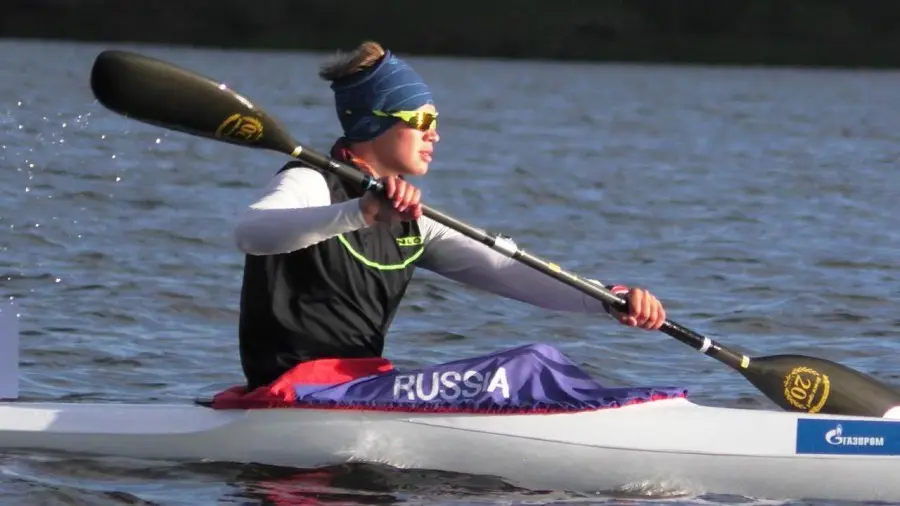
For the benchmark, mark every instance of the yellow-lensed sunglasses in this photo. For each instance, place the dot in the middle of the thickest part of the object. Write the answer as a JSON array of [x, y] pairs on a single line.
[[420, 120]]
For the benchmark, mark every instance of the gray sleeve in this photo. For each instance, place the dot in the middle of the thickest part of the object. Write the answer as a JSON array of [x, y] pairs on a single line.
[[294, 212], [462, 259]]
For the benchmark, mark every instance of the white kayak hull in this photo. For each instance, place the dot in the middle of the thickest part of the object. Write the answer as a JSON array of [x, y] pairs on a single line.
[[675, 443]]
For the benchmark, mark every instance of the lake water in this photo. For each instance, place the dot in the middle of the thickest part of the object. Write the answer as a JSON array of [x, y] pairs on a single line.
[[760, 205]]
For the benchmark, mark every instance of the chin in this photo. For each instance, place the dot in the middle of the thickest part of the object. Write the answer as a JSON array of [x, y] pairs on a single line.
[[417, 170]]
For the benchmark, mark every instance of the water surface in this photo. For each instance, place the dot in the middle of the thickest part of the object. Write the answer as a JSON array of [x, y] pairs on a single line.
[[759, 204]]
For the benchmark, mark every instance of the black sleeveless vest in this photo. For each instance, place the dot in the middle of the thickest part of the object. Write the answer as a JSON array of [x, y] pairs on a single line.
[[334, 299]]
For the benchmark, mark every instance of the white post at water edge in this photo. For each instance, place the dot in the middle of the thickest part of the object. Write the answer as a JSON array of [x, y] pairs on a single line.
[[9, 351]]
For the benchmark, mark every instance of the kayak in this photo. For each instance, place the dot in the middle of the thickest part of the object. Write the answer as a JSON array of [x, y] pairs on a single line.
[[697, 449], [553, 432]]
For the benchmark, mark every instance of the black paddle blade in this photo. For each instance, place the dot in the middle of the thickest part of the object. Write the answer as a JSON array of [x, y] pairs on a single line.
[[162, 94], [814, 385]]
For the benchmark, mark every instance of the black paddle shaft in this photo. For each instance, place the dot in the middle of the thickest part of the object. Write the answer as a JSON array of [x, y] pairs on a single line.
[[159, 93]]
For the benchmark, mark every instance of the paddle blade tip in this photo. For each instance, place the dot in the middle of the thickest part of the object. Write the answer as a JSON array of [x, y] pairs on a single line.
[[110, 69]]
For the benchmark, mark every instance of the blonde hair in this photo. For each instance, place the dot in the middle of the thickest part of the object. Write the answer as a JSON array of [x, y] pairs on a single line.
[[344, 64]]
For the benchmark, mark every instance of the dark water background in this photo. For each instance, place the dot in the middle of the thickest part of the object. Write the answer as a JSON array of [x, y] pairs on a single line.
[[760, 205]]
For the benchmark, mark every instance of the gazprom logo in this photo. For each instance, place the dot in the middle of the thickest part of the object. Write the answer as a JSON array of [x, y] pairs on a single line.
[[836, 437], [843, 436]]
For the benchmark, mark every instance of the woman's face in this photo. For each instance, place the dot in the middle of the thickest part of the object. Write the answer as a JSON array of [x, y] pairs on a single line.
[[405, 149]]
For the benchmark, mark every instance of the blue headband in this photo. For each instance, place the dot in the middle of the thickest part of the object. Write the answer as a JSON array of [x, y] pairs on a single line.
[[389, 86]]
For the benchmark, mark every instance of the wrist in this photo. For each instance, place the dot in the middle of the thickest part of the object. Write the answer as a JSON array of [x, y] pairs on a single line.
[[367, 216]]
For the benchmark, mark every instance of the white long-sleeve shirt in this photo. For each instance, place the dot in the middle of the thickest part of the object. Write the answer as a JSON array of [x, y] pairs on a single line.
[[296, 211]]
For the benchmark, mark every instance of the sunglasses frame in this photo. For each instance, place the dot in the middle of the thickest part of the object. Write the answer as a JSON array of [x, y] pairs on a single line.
[[412, 118]]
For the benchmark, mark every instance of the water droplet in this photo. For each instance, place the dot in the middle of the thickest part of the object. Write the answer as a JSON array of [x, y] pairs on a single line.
[[27, 189], [64, 124], [21, 127], [58, 280], [19, 103], [118, 178], [30, 165], [103, 136], [37, 225], [157, 140], [113, 156]]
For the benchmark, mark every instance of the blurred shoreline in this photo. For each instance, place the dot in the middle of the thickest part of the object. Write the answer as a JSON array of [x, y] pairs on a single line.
[[840, 33]]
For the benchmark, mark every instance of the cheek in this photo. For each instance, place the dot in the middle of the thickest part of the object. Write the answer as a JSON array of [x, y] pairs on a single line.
[[399, 147], [411, 143], [405, 145]]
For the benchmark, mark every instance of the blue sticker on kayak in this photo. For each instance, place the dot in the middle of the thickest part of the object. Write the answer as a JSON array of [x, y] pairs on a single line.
[[848, 437]]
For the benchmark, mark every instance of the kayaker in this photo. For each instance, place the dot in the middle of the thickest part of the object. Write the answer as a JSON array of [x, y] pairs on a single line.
[[327, 265]]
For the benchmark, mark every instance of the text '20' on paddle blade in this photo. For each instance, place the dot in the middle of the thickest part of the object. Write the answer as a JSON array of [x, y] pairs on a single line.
[[812, 385], [162, 94]]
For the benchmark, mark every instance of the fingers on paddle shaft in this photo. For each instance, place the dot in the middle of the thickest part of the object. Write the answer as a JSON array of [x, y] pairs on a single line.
[[812, 385]]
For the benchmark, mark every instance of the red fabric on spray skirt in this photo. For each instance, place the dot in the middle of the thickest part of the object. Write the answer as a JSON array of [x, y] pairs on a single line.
[[280, 393]]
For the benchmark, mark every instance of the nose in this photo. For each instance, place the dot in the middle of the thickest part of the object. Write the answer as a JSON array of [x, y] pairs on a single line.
[[432, 135]]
